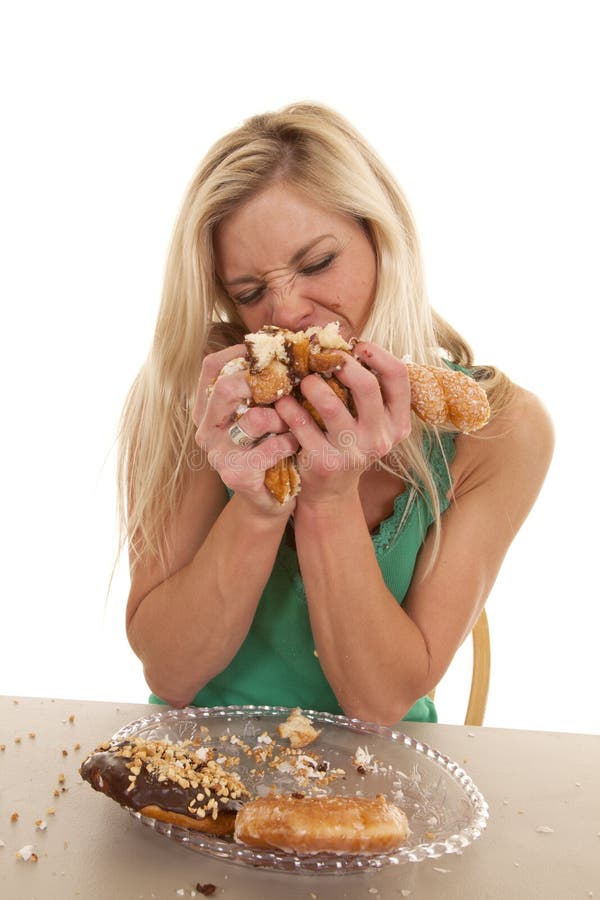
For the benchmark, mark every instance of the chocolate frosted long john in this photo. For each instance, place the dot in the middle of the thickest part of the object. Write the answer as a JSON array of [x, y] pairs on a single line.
[[181, 783]]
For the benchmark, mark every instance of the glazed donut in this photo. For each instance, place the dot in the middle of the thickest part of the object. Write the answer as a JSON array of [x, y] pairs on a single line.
[[304, 825], [441, 395], [277, 360], [181, 783]]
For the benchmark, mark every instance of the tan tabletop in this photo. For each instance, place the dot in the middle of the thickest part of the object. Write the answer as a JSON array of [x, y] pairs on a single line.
[[93, 849]]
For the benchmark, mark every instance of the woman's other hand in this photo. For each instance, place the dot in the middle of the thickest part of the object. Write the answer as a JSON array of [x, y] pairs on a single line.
[[219, 401], [331, 462]]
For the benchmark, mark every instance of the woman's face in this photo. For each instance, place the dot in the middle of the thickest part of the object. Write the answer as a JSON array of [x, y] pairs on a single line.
[[285, 260]]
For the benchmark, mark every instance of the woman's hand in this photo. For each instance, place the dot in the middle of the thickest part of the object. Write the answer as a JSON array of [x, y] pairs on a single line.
[[332, 462], [218, 401]]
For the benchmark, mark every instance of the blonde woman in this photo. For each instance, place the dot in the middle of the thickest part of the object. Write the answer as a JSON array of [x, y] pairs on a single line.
[[354, 596]]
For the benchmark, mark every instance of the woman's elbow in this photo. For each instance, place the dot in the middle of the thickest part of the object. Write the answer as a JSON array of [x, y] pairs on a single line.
[[173, 695], [386, 714]]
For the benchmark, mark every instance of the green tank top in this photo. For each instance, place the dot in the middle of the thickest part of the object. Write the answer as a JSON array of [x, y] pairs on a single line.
[[276, 664]]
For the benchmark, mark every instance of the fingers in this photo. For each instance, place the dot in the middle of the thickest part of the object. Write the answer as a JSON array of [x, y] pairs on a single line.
[[223, 452], [261, 420], [244, 469], [209, 381], [366, 392], [380, 389], [299, 420], [256, 422], [214, 362], [393, 383], [271, 450], [211, 367]]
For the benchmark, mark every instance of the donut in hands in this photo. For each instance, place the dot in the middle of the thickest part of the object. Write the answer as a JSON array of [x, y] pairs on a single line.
[[277, 360]]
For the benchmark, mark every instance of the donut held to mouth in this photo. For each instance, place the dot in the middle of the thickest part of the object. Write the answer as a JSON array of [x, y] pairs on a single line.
[[278, 359]]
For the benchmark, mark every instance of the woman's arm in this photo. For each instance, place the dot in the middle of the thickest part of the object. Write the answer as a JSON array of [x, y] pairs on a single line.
[[186, 623], [188, 626], [380, 657]]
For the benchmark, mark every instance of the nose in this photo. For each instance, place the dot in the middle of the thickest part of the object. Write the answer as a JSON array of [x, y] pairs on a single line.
[[291, 308]]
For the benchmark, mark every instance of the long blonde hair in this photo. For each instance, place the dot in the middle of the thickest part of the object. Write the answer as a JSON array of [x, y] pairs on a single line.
[[314, 149]]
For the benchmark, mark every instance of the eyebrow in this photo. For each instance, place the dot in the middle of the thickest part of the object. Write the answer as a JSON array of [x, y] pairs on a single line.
[[243, 279]]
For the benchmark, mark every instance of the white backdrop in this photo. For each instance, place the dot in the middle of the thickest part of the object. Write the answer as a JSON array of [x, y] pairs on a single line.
[[486, 112]]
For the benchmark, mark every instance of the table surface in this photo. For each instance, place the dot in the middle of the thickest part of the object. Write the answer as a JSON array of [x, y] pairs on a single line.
[[91, 848]]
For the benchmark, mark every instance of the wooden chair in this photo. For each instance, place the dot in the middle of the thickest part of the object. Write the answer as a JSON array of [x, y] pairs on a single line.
[[480, 680]]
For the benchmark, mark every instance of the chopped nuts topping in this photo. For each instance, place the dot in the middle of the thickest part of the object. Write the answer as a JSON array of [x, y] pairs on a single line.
[[185, 765], [207, 774]]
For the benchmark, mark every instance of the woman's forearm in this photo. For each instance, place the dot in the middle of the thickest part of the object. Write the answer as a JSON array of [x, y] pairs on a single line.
[[190, 626], [371, 652]]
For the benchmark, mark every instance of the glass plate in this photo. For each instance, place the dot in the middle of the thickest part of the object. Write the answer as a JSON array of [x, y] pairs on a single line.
[[445, 810]]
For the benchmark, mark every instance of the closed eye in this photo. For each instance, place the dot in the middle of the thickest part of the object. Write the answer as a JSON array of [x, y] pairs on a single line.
[[250, 296], [318, 266], [312, 269]]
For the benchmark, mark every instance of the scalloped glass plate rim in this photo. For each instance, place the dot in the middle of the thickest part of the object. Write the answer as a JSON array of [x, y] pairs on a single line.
[[323, 863]]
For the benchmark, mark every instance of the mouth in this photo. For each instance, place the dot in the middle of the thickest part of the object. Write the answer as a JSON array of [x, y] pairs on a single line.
[[344, 326]]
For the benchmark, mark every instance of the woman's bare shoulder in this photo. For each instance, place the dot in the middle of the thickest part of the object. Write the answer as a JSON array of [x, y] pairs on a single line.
[[515, 447], [523, 417]]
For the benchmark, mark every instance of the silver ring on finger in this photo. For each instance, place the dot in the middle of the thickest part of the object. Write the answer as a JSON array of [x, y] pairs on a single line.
[[240, 437]]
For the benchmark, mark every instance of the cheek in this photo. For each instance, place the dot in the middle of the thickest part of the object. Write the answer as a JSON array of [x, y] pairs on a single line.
[[367, 272], [365, 286], [254, 317], [358, 288]]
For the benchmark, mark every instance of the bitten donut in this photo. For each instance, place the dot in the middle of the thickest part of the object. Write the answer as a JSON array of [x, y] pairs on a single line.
[[180, 783], [278, 359], [303, 825]]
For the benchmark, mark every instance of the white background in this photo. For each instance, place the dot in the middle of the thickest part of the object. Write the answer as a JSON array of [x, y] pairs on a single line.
[[486, 112]]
